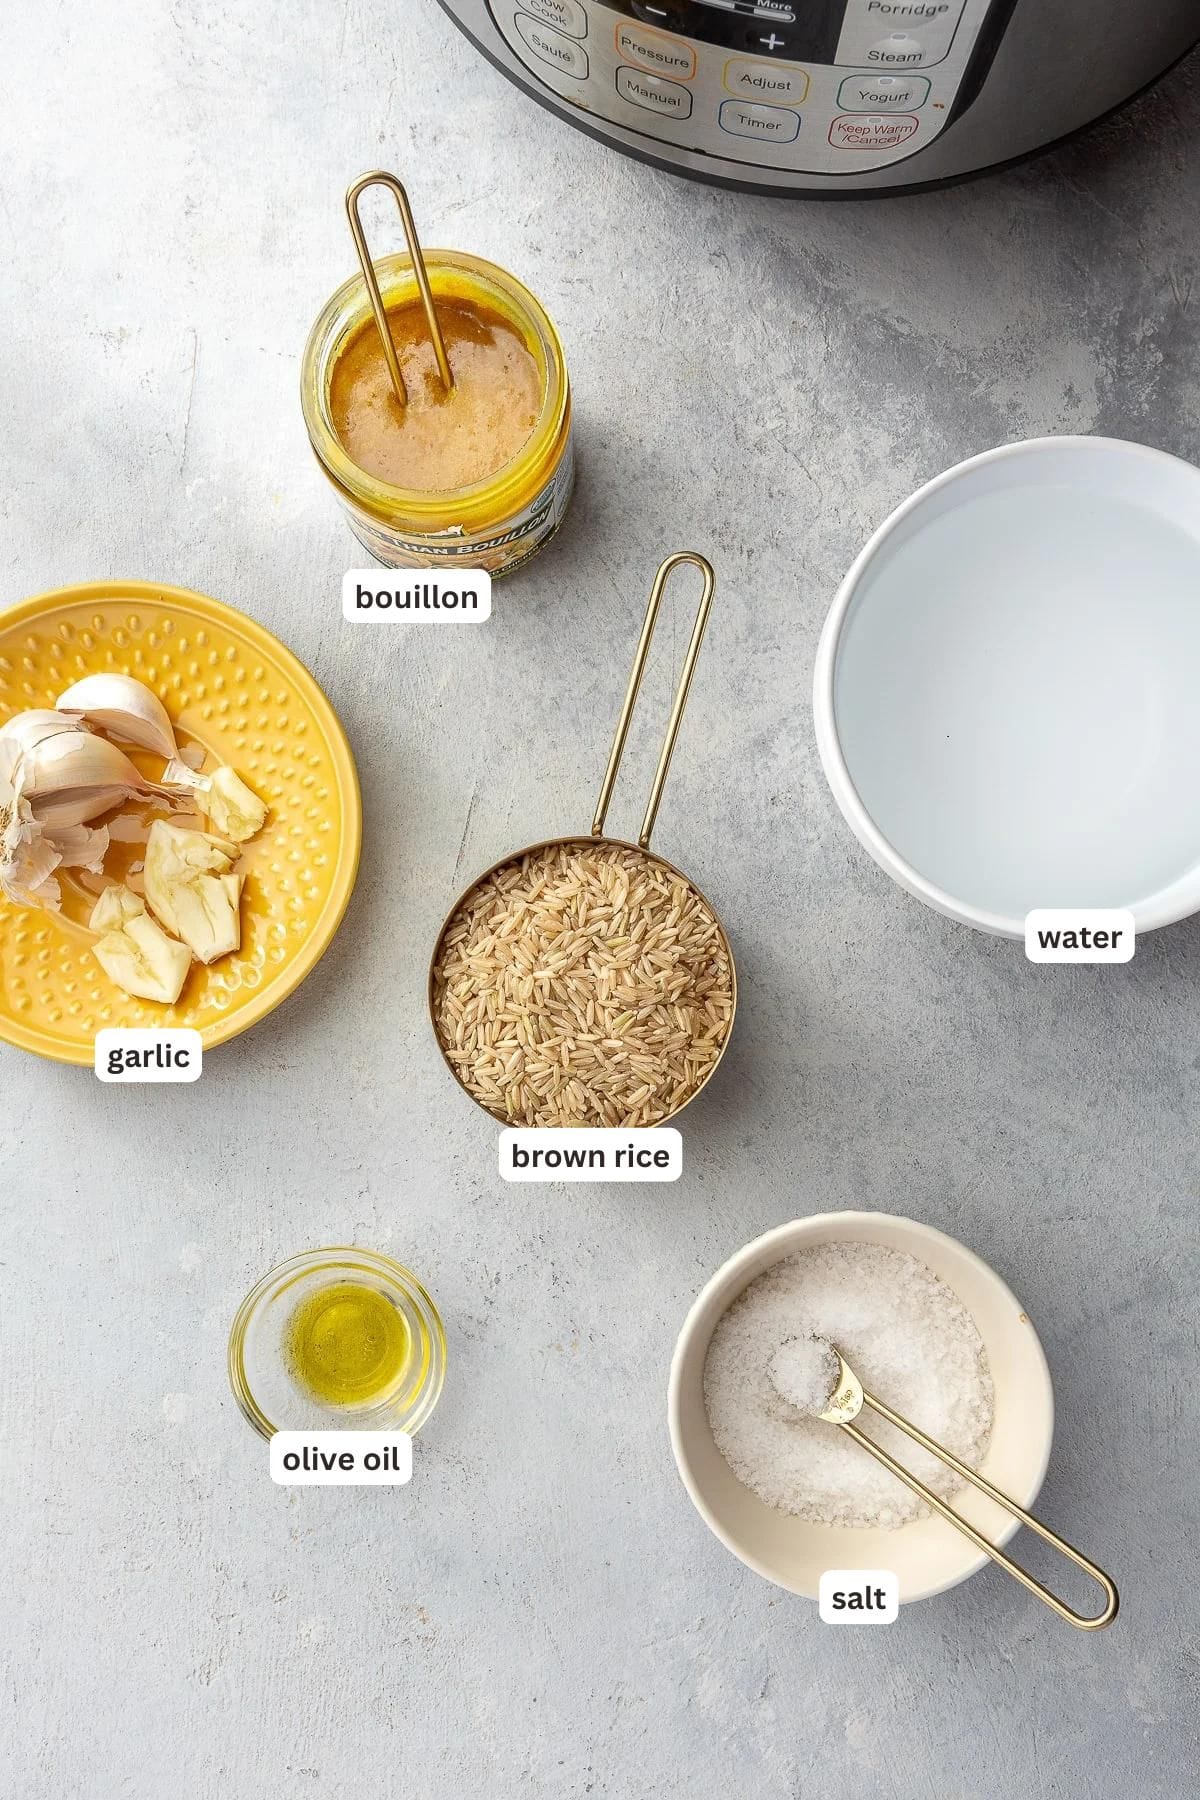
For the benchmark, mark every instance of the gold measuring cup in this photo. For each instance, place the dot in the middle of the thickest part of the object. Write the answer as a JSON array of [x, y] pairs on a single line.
[[847, 1401], [598, 836]]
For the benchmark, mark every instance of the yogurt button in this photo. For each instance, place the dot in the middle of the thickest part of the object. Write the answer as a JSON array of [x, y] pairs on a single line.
[[897, 52], [549, 46], [567, 15], [883, 93]]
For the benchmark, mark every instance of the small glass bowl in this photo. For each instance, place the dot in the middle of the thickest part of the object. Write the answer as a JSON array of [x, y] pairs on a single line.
[[263, 1383]]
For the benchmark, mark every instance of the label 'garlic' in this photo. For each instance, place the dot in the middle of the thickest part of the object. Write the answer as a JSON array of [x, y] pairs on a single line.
[[191, 886]]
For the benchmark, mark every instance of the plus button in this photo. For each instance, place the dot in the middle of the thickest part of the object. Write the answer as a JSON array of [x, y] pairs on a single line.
[[772, 42]]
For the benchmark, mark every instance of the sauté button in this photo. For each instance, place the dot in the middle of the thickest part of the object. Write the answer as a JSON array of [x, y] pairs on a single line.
[[773, 124], [883, 93], [655, 51], [653, 93], [552, 47], [897, 52], [754, 80], [567, 15]]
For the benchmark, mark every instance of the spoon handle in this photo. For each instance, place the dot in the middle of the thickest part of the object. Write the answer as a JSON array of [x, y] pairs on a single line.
[[997, 1555]]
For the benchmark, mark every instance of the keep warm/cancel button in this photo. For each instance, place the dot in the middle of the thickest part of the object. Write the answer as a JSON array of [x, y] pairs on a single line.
[[857, 131]]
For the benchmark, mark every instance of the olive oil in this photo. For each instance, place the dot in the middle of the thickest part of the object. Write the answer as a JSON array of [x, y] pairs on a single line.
[[348, 1345]]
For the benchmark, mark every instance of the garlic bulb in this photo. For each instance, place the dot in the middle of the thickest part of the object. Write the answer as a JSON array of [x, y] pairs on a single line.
[[31, 850], [72, 763], [126, 709]]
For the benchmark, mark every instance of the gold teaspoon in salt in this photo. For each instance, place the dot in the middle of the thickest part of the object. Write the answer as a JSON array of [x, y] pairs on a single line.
[[803, 1373]]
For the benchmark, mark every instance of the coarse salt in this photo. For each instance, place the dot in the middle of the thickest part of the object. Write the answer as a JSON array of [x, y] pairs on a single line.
[[907, 1337]]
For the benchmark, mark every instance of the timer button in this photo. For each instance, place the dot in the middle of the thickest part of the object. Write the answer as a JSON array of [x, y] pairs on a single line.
[[770, 124], [550, 46]]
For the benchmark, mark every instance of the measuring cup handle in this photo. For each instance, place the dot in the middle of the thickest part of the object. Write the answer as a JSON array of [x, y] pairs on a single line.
[[1082, 1621], [635, 682]]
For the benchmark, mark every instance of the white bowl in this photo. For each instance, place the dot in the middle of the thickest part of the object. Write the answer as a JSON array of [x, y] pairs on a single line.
[[1007, 688], [927, 1555]]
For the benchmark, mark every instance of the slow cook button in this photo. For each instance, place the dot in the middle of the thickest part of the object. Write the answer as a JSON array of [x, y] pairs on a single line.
[[883, 93], [752, 80], [854, 131], [562, 53], [654, 94], [566, 15], [773, 124], [655, 51]]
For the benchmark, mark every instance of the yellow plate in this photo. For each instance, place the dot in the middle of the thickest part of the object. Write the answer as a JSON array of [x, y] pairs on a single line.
[[234, 689]]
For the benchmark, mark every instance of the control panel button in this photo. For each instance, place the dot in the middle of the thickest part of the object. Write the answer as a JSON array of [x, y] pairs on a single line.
[[750, 79], [565, 15], [857, 131], [883, 93], [898, 34], [655, 51], [666, 98], [562, 53], [896, 52], [771, 124]]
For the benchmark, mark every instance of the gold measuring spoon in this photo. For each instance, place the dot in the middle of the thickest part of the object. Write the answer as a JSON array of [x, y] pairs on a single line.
[[845, 1399]]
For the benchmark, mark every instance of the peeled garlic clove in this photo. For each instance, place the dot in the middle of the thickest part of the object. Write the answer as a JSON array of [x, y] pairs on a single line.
[[234, 809], [124, 707], [135, 952], [190, 885]]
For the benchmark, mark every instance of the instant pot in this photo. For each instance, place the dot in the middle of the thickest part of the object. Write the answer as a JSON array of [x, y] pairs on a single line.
[[830, 96]]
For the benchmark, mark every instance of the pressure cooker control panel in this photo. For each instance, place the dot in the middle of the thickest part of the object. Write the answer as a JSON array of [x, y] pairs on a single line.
[[820, 86]]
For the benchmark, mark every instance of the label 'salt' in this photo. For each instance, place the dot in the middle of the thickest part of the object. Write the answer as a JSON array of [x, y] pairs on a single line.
[[148, 1054], [859, 1597]]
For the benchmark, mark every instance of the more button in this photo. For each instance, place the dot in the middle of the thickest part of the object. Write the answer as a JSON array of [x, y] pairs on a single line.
[[562, 53], [773, 124], [666, 98], [883, 93]]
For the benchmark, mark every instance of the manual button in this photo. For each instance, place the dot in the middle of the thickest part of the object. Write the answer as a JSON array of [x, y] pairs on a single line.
[[653, 93], [773, 124], [552, 47], [655, 51], [883, 93], [754, 80]]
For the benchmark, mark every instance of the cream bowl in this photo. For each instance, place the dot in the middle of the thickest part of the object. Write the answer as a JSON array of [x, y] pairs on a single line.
[[927, 1555]]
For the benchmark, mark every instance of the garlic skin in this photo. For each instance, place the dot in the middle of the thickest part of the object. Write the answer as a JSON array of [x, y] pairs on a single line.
[[233, 809], [134, 951], [127, 709], [32, 849], [191, 887], [68, 775]]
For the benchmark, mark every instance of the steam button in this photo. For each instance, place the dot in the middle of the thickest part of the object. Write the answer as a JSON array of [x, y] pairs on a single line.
[[897, 52]]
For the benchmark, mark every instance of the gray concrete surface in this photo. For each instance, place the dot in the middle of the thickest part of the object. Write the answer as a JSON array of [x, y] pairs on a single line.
[[542, 1613]]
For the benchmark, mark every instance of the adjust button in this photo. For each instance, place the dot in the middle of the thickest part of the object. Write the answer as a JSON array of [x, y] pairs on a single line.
[[883, 93], [666, 98], [566, 15], [751, 79], [655, 51], [771, 124], [549, 46]]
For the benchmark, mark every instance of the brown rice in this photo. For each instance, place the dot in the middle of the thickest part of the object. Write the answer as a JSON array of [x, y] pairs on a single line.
[[583, 984]]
